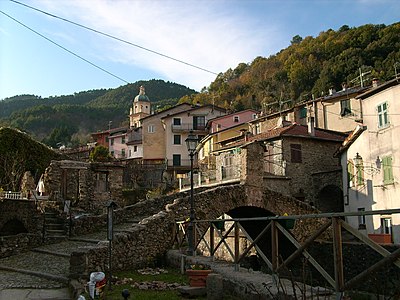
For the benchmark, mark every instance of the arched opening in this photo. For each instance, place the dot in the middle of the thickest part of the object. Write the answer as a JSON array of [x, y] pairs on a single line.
[[13, 227], [330, 199], [254, 228]]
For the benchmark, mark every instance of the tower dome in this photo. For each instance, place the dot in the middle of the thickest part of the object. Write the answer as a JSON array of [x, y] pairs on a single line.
[[142, 95]]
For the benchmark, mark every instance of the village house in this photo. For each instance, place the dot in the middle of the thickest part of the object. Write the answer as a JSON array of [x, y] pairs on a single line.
[[371, 157]]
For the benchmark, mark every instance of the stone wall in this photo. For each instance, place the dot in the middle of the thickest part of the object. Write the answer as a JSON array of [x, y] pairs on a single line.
[[15, 244], [88, 185], [24, 211], [155, 234]]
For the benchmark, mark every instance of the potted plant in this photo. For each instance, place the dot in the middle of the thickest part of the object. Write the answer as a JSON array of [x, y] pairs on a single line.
[[198, 274]]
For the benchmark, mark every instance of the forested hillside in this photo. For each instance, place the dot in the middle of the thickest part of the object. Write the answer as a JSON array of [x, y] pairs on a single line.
[[70, 119], [308, 68]]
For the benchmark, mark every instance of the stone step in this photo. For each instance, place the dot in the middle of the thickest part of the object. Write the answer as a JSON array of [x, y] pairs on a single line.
[[85, 240], [48, 276], [51, 252]]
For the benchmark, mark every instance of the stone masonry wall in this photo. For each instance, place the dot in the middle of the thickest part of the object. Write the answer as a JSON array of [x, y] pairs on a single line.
[[154, 235]]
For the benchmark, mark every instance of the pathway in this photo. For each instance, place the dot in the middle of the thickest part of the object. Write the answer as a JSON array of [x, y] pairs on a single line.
[[42, 273]]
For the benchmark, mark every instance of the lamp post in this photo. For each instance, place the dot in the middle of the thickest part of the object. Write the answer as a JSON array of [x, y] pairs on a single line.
[[191, 144]]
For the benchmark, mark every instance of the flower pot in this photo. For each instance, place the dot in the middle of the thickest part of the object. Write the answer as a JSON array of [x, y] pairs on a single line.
[[197, 278]]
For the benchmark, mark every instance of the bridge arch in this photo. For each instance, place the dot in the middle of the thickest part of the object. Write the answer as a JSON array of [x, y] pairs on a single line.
[[13, 227], [330, 199]]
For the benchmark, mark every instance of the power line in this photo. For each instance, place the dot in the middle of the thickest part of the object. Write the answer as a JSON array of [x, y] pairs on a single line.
[[65, 49], [115, 38]]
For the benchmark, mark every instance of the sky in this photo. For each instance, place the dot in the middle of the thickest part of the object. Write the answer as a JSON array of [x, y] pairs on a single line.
[[196, 39]]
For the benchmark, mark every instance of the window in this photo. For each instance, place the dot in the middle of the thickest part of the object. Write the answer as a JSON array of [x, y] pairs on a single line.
[[258, 129], [177, 139], [134, 148], [295, 151], [254, 116], [112, 142], [345, 107], [236, 119], [123, 152], [123, 140], [387, 170], [383, 120], [360, 172], [350, 173], [199, 122], [130, 153], [386, 225], [112, 153], [361, 219], [150, 128], [176, 121], [176, 159], [303, 112]]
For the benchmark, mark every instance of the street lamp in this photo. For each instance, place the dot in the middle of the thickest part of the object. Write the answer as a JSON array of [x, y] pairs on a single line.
[[191, 144]]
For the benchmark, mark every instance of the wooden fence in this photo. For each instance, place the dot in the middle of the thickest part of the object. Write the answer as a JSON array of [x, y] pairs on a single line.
[[334, 222]]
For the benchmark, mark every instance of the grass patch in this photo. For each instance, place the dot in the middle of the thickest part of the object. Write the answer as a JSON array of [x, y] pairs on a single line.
[[131, 279]]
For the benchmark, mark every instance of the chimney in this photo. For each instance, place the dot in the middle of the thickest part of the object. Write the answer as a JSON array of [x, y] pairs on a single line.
[[375, 82], [332, 91], [311, 128], [344, 86]]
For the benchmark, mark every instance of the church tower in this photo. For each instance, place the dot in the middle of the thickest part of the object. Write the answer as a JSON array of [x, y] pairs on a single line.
[[141, 108]]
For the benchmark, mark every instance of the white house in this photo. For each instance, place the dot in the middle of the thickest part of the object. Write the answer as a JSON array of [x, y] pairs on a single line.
[[371, 156]]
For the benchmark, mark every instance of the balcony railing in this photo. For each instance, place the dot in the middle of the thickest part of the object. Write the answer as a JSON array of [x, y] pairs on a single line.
[[183, 163], [212, 177], [186, 127]]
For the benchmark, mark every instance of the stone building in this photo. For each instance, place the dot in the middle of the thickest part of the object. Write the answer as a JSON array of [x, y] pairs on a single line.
[[293, 159], [84, 186]]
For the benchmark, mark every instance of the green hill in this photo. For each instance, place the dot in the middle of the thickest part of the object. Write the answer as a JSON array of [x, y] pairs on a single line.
[[308, 68], [69, 120]]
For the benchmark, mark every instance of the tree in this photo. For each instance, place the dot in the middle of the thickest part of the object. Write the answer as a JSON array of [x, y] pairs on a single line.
[[296, 40], [100, 153]]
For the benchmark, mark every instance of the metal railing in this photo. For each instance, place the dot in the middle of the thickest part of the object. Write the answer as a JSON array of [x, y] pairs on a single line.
[[186, 127], [235, 228]]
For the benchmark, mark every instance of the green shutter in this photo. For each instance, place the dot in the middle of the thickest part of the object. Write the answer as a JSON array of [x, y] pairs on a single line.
[[387, 170]]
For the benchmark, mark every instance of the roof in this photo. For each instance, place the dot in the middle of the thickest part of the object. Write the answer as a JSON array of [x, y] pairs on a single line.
[[297, 130], [379, 88], [165, 111], [195, 108], [293, 130]]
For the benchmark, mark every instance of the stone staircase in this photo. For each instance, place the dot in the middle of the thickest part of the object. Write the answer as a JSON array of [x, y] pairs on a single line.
[[55, 228]]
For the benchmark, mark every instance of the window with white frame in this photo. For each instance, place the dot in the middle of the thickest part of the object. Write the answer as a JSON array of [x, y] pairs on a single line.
[[151, 128], [134, 148], [176, 121], [236, 119], [383, 119], [177, 139], [386, 225]]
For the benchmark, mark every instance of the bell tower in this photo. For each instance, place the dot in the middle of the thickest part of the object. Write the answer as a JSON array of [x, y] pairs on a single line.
[[141, 108]]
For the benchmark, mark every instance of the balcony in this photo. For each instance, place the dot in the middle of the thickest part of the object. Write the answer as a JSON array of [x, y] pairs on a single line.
[[186, 127], [183, 164]]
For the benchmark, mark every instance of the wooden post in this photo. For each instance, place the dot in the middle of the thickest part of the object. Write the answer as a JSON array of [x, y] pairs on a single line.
[[274, 246], [337, 254], [212, 241], [237, 254]]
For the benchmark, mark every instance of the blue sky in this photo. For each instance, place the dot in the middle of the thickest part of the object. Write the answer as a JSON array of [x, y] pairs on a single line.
[[211, 34]]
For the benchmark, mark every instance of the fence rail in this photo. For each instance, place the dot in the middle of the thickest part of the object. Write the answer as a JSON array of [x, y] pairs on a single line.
[[235, 228]]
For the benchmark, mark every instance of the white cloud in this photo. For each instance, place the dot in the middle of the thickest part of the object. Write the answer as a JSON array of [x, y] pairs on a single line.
[[196, 32]]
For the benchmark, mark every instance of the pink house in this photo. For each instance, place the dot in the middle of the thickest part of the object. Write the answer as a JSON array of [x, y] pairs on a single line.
[[233, 119]]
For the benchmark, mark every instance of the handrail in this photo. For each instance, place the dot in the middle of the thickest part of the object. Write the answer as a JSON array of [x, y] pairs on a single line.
[[276, 264]]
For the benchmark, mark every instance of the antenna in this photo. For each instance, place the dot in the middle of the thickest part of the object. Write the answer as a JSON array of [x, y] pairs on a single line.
[[395, 68]]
